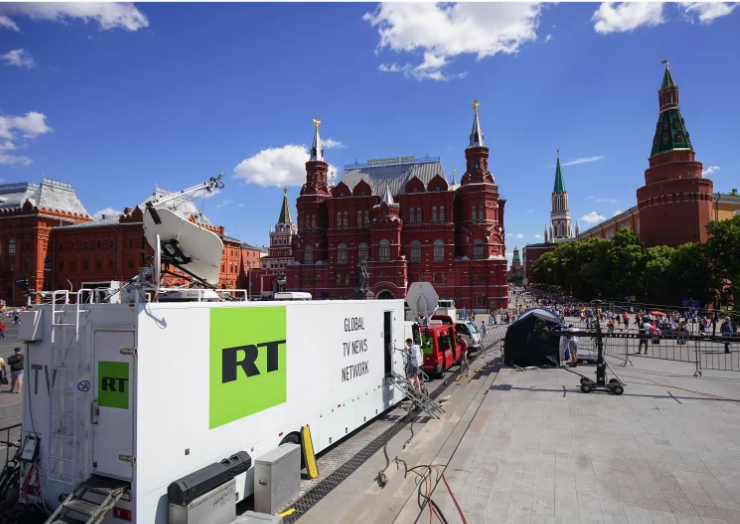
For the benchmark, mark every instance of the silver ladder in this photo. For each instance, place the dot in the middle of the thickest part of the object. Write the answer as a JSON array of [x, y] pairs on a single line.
[[64, 367], [423, 401], [91, 512]]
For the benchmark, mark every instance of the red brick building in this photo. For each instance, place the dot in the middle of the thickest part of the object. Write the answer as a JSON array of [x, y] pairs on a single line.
[[28, 214], [114, 248], [47, 236], [408, 223]]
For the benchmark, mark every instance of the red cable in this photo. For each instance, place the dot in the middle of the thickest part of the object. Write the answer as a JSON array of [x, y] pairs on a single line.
[[459, 509]]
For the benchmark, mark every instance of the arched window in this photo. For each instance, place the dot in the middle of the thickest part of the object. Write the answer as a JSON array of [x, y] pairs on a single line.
[[342, 254], [473, 214], [478, 249], [99, 265], [130, 263], [415, 251], [367, 218], [411, 216], [362, 251], [339, 219], [308, 255], [346, 219], [359, 218], [481, 214], [385, 251], [11, 248], [418, 215], [439, 251], [434, 214], [442, 214]]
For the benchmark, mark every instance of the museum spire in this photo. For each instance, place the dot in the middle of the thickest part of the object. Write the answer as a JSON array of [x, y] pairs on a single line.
[[317, 150], [285, 217], [476, 135]]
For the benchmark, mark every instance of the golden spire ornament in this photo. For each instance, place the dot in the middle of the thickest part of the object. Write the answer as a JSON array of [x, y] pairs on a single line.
[[316, 122], [475, 105]]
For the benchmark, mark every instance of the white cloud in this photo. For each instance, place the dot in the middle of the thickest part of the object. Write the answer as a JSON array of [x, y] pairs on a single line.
[[582, 160], [593, 217], [538, 236], [241, 205], [548, 38], [7, 23], [108, 15], [711, 170], [14, 129], [30, 125], [509, 235], [445, 30], [617, 212], [108, 212], [707, 12], [620, 17], [18, 57], [601, 199], [277, 166], [14, 160], [224, 203], [330, 143], [519, 235]]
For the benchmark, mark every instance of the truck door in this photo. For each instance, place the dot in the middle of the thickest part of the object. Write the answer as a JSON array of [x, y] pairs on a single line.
[[113, 408], [387, 341]]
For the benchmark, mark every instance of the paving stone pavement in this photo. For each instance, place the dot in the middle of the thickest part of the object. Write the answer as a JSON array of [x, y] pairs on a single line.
[[537, 450]]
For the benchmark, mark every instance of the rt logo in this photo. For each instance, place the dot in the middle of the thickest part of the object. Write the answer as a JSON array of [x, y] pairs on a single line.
[[111, 383], [245, 357]]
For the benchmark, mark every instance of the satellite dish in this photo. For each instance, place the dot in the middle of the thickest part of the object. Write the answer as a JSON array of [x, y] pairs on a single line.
[[422, 299], [188, 247]]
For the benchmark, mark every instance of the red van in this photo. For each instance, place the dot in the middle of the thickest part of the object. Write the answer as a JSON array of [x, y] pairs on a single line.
[[439, 348]]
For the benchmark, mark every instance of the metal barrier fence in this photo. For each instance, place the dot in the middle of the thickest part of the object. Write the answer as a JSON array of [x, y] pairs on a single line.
[[8, 434], [704, 351]]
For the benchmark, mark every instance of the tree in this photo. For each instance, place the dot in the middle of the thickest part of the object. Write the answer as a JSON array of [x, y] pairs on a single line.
[[723, 253]]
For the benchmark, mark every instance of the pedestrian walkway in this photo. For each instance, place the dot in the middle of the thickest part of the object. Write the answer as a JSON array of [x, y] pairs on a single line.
[[529, 447]]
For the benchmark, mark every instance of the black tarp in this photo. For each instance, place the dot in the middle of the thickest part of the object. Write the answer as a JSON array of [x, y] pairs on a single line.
[[522, 345]]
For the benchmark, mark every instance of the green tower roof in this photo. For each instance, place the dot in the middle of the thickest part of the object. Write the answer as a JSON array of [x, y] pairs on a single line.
[[285, 217], [559, 182], [670, 131]]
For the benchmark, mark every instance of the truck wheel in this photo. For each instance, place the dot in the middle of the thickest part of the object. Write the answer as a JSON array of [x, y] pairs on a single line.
[[295, 438]]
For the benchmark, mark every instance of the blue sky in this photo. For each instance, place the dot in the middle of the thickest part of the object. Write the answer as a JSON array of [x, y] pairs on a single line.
[[116, 98]]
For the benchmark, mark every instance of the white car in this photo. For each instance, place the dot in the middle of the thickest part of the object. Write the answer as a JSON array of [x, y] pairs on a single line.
[[469, 332]]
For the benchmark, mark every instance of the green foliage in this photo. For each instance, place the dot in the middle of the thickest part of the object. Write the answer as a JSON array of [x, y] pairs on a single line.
[[723, 251], [516, 279], [600, 268]]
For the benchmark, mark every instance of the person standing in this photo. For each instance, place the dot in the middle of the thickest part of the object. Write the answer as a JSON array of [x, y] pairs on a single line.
[[483, 328], [2, 329], [463, 354], [727, 330], [642, 329], [412, 366], [16, 370], [573, 346]]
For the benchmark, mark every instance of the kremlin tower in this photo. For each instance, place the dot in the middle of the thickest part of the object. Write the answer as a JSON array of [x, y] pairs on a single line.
[[675, 203]]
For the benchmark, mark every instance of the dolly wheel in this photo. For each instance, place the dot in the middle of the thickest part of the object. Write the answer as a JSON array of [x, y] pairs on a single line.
[[586, 387], [583, 380], [617, 390], [613, 381]]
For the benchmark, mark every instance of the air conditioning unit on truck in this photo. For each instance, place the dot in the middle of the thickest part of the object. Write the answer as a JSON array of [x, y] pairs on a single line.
[[125, 399]]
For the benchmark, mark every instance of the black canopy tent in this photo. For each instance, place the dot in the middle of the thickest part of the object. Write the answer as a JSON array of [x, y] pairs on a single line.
[[522, 345]]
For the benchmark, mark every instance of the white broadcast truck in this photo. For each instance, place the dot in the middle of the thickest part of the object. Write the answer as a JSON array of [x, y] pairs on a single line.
[[123, 399]]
